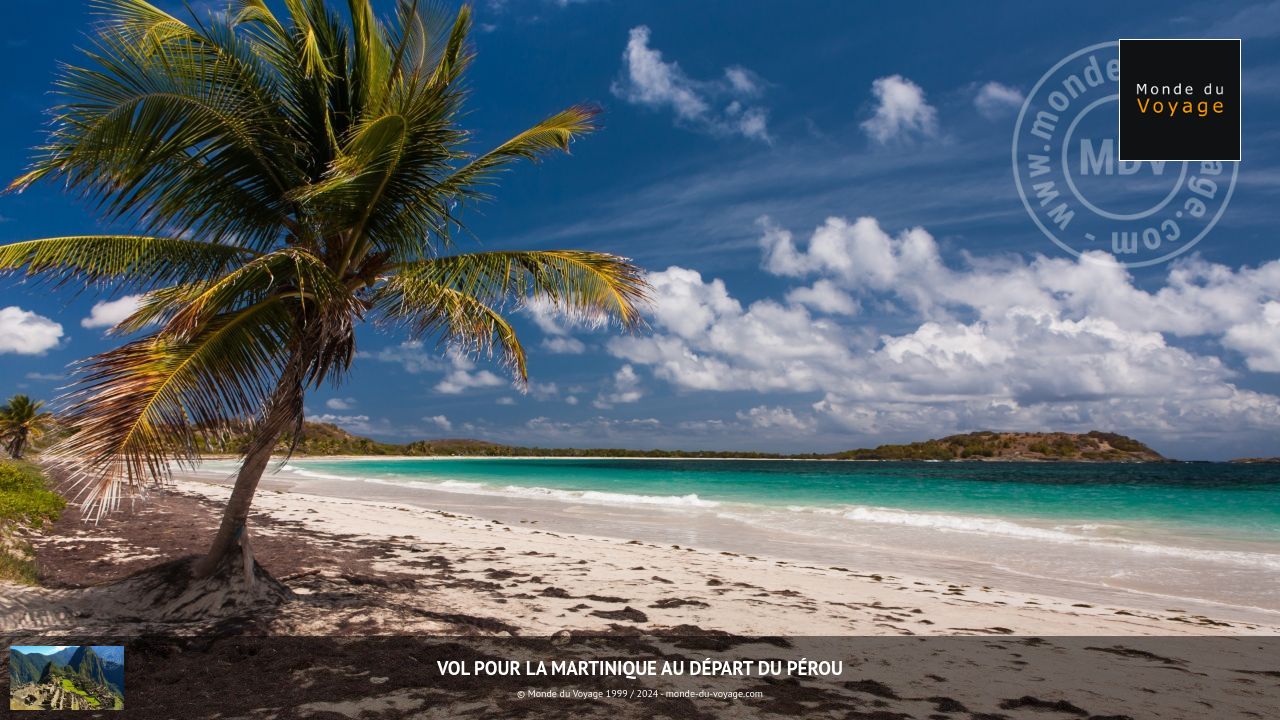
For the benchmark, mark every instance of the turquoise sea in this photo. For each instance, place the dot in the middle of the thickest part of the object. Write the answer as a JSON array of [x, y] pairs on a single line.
[[1202, 530], [1210, 499]]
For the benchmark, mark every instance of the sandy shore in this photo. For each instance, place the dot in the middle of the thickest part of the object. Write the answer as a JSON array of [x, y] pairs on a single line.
[[431, 567]]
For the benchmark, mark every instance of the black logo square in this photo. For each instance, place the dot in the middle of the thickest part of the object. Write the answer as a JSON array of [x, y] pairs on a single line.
[[1179, 100]]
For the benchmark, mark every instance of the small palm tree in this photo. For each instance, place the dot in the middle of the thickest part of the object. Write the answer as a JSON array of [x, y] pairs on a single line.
[[21, 423], [284, 179]]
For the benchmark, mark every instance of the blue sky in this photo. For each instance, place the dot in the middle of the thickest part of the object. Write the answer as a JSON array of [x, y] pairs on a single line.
[[824, 197], [38, 649]]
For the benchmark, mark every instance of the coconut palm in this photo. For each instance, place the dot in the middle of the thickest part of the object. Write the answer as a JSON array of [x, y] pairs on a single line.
[[284, 178], [21, 423]]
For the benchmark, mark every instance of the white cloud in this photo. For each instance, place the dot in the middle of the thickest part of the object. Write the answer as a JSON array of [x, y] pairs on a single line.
[[707, 341], [351, 423], [995, 101], [1258, 339], [824, 296], [775, 418], [626, 389], [718, 107], [564, 346], [743, 81], [1049, 343], [460, 372], [46, 377], [340, 403], [556, 323], [25, 333], [464, 376], [544, 391], [440, 421], [595, 431], [901, 111], [110, 313], [411, 355], [506, 400]]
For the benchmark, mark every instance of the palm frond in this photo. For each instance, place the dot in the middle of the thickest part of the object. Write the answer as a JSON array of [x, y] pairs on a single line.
[[582, 284], [143, 405], [289, 272], [455, 319], [555, 133], [460, 297], [125, 261], [173, 129]]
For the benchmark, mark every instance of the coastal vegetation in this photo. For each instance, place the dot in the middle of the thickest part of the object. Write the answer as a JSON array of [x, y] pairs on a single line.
[[26, 505], [280, 178], [1096, 446]]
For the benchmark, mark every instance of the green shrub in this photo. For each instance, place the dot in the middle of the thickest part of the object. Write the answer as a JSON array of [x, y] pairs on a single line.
[[24, 498], [25, 503]]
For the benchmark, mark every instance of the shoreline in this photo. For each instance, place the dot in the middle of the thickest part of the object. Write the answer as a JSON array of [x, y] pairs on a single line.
[[1058, 607], [1035, 461], [1158, 563], [377, 564]]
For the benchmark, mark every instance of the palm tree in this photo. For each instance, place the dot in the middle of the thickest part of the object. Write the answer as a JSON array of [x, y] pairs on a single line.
[[283, 181], [21, 422]]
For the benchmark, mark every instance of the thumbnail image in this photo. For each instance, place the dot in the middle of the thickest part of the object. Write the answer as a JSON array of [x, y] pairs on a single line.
[[71, 677]]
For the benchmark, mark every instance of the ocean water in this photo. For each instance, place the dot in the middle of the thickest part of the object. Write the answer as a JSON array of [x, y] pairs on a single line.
[[1187, 530]]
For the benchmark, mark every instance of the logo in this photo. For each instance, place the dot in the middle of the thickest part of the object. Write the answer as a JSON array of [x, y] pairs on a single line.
[[1080, 194], [1180, 100]]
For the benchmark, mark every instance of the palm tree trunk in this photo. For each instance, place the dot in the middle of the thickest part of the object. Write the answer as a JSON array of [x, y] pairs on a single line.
[[281, 412], [19, 444]]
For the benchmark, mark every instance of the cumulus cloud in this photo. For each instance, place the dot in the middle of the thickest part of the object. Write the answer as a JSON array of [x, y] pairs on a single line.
[[340, 403], [464, 376], [111, 312], [352, 423], [23, 332], [564, 346], [995, 101], [460, 371], [764, 417], [994, 342], [440, 421], [1258, 339], [411, 355], [556, 324], [720, 107], [626, 389], [901, 111], [824, 296]]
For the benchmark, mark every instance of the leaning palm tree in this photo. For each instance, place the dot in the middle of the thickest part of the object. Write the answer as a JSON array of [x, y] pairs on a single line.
[[283, 178], [21, 423]]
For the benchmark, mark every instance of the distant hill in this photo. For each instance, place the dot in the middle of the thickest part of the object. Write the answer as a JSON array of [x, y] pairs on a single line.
[[326, 439], [24, 668], [1092, 446], [315, 439]]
